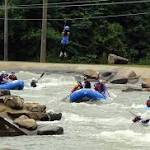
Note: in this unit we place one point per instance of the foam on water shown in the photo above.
(98, 124)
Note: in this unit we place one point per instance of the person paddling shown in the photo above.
(35, 81)
(80, 85)
(141, 120)
(77, 87)
(12, 76)
(86, 83)
(100, 86)
(64, 41)
(4, 78)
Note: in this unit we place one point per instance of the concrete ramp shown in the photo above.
(8, 128)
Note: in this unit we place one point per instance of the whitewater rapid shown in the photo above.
(86, 126)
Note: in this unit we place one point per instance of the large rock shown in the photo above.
(4, 108)
(132, 89)
(114, 59)
(125, 76)
(108, 75)
(32, 115)
(4, 92)
(91, 74)
(15, 102)
(133, 77)
(50, 130)
(25, 122)
(146, 83)
(51, 116)
(35, 107)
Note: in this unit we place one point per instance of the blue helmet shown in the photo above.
(66, 28)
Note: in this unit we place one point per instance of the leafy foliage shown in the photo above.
(91, 40)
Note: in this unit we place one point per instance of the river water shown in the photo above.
(87, 126)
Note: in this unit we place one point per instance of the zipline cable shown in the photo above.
(85, 18)
(81, 5)
(64, 3)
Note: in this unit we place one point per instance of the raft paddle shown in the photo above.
(34, 82)
(40, 76)
(77, 79)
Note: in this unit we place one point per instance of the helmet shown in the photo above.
(66, 28)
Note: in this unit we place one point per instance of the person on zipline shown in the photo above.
(64, 41)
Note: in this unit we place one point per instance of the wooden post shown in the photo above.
(44, 33)
(6, 32)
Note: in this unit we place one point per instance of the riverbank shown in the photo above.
(143, 71)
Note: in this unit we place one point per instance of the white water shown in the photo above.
(86, 126)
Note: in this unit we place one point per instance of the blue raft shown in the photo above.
(13, 85)
(83, 95)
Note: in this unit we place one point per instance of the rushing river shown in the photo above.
(86, 126)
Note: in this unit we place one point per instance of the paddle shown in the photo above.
(40, 76)
(77, 79)
(34, 82)
(133, 114)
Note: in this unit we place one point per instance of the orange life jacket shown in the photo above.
(77, 87)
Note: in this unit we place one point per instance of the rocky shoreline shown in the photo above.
(25, 118)
(71, 68)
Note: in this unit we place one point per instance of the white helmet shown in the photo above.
(66, 28)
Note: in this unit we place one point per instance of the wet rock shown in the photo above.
(120, 81)
(107, 75)
(114, 59)
(36, 115)
(17, 114)
(15, 102)
(50, 116)
(91, 74)
(4, 108)
(146, 83)
(32, 115)
(4, 92)
(25, 122)
(34, 107)
(51, 130)
(133, 77)
(131, 89)
(125, 76)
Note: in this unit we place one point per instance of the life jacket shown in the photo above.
(77, 87)
(65, 38)
(99, 87)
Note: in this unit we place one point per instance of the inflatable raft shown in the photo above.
(13, 85)
(83, 95)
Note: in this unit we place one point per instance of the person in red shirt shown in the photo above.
(12, 76)
(99, 86)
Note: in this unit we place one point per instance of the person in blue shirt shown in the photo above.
(64, 41)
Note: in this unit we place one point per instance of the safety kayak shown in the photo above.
(83, 95)
(13, 85)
